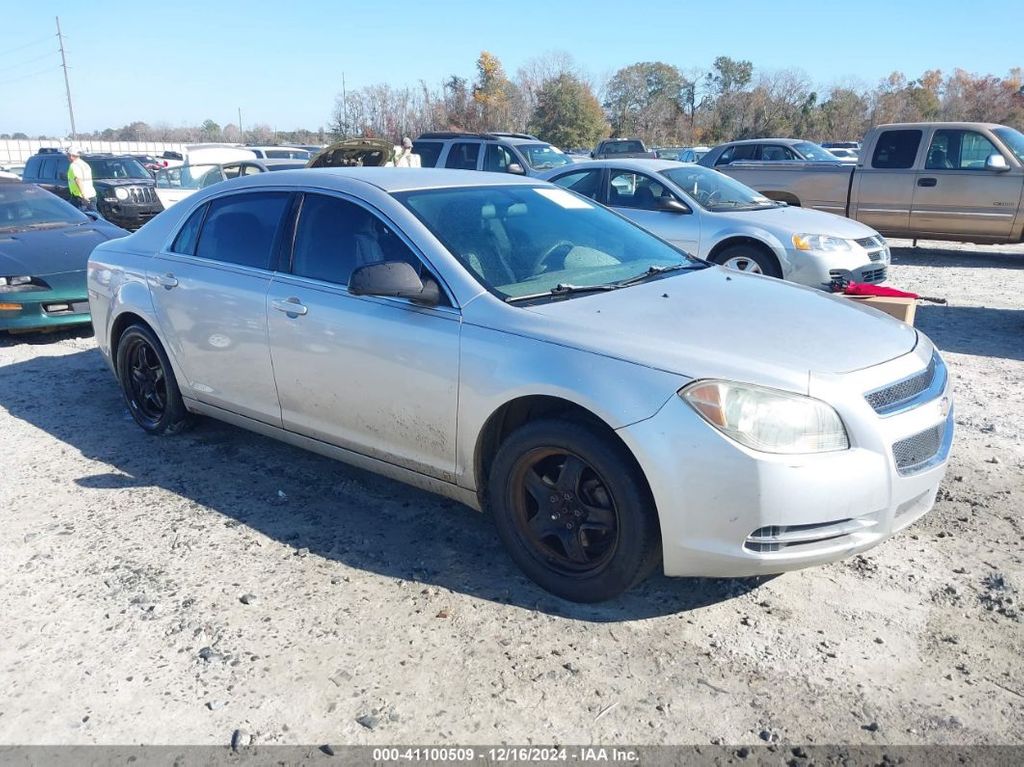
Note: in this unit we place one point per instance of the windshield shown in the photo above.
(543, 156)
(715, 191)
(27, 206)
(811, 151)
(117, 167)
(1013, 139)
(189, 176)
(522, 240)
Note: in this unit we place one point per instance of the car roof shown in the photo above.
(785, 141)
(387, 179)
(640, 165)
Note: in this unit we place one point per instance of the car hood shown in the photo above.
(52, 251)
(799, 220)
(355, 151)
(717, 323)
(124, 182)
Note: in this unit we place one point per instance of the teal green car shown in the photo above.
(44, 248)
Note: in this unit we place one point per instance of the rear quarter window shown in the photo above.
(896, 149)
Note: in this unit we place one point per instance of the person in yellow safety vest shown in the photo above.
(83, 193)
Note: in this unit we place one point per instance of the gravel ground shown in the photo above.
(176, 590)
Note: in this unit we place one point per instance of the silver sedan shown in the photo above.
(715, 217)
(617, 405)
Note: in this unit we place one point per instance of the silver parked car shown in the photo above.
(502, 341)
(717, 218)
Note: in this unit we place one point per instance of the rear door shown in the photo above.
(884, 187)
(956, 196)
(209, 291)
(375, 375)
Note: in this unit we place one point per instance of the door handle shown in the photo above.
(927, 182)
(290, 306)
(167, 280)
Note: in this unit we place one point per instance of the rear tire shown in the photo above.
(148, 384)
(573, 510)
(747, 258)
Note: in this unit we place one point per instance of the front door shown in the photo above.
(956, 196)
(210, 295)
(884, 187)
(378, 376)
(638, 197)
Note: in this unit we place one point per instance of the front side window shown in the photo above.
(463, 154)
(628, 189)
(896, 149)
(958, 150)
(497, 158)
(585, 182)
(520, 241)
(773, 153)
(811, 151)
(334, 237)
(241, 229)
(189, 176)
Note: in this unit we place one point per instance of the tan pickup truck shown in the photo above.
(942, 181)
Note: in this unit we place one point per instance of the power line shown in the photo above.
(47, 55)
(26, 45)
(31, 74)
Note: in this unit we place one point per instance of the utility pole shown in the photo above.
(67, 83)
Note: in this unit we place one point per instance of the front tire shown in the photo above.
(148, 384)
(573, 510)
(746, 258)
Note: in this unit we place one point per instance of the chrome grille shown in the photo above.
(873, 275)
(141, 194)
(901, 394)
(915, 453)
(868, 243)
(876, 255)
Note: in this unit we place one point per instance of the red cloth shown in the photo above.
(863, 289)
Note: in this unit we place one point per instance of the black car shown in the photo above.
(125, 190)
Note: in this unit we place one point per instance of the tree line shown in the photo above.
(554, 98)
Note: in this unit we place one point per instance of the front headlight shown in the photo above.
(121, 194)
(12, 284)
(822, 243)
(767, 420)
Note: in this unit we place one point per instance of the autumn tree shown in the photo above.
(568, 114)
(495, 96)
(645, 99)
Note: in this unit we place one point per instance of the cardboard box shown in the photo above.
(901, 308)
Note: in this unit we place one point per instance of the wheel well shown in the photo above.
(121, 324)
(518, 412)
(724, 245)
(785, 197)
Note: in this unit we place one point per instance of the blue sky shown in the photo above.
(182, 62)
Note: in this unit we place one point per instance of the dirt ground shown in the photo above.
(175, 590)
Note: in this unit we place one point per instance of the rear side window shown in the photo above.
(896, 149)
(429, 152)
(463, 155)
(585, 182)
(241, 229)
(48, 169)
(738, 152)
(188, 236)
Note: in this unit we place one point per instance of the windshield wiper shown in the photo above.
(563, 289)
(657, 271)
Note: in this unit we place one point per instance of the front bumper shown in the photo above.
(128, 216)
(42, 309)
(727, 511)
(819, 270)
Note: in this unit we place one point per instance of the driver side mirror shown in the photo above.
(516, 168)
(671, 205)
(996, 162)
(396, 279)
